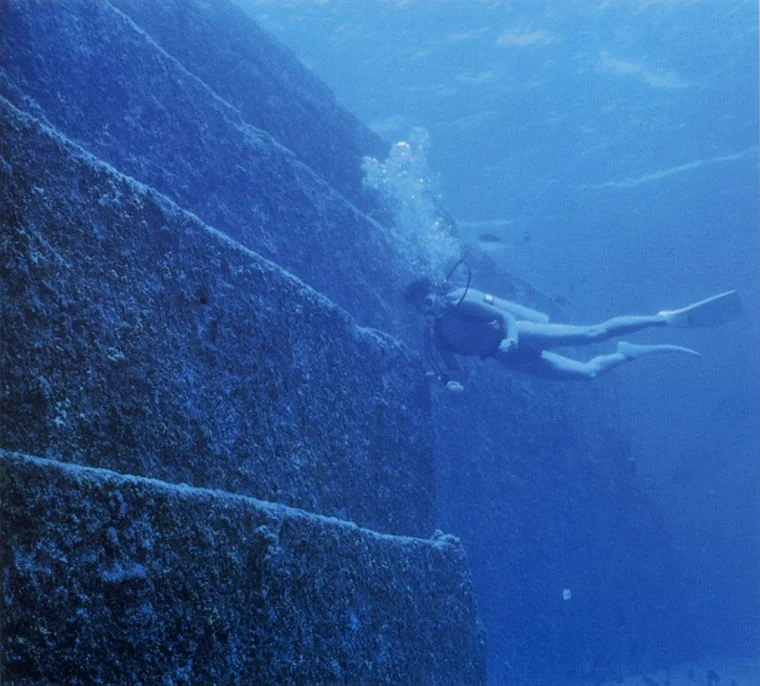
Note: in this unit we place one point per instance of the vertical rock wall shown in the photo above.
(209, 472)
(115, 579)
(139, 339)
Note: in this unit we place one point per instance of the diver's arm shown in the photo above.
(472, 296)
(442, 364)
(451, 375)
(511, 336)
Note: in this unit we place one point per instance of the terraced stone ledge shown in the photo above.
(110, 578)
(139, 339)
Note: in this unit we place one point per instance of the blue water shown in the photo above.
(606, 152)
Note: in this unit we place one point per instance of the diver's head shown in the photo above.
(419, 293)
(423, 294)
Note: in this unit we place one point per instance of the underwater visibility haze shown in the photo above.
(606, 152)
(226, 454)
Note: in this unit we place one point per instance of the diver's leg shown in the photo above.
(554, 366)
(718, 309)
(544, 336)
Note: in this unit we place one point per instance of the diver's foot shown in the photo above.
(633, 351)
(717, 309)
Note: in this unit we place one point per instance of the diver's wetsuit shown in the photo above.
(462, 334)
(471, 325)
(458, 332)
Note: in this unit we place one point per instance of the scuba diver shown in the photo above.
(466, 321)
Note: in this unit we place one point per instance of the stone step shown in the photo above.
(109, 578)
(137, 338)
(250, 69)
(153, 117)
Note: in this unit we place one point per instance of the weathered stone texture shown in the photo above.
(97, 77)
(142, 334)
(139, 339)
(113, 579)
(262, 79)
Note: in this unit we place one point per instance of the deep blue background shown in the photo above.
(610, 149)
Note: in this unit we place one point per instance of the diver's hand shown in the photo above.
(454, 386)
(507, 345)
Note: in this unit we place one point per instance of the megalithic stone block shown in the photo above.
(115, 579)
(94, 74)
(137, 338)
(250, 69)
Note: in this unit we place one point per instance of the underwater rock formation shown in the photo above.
(139, 339)
(149, 355)
(189, 267)
(117, 579)
(271, 89)
(86, 68)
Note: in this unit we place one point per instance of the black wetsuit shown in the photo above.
(454, 332)
(463, 335)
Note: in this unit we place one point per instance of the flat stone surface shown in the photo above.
(139, 339)
(114, 579)
(96, 76)
(260, 77)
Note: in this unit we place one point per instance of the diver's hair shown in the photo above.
(416, 291)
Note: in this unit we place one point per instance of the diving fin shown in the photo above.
(718, 309)
(633, 351)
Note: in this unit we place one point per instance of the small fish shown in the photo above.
(489, 238)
